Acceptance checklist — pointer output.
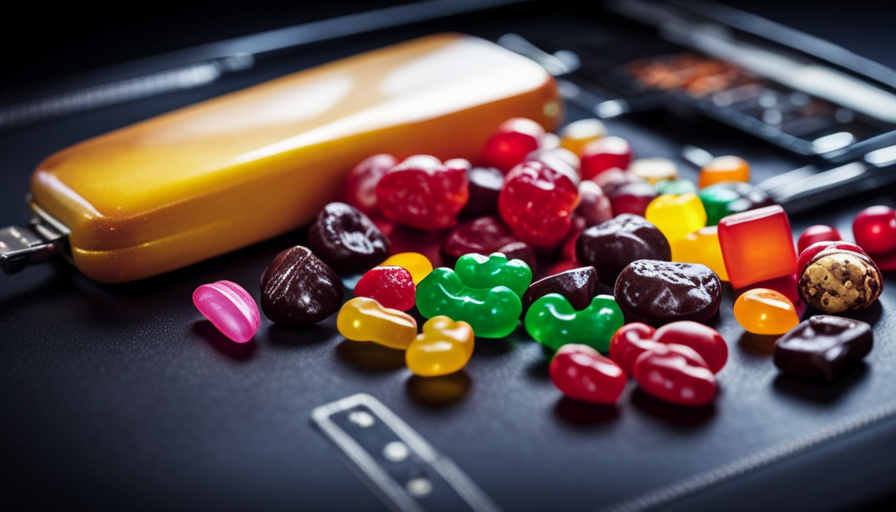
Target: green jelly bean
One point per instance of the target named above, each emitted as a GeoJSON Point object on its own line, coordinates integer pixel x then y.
{"type": "Point", "coordinates": [552, 321]}
{"type": "Point", "coordinates": [479, 271]}
{"type": "Point", "coordinates": [675, 187]}
{"type": "Point", "coordinates": [491, 312]}
{"type": "Point", "coordinates": [715, 201]}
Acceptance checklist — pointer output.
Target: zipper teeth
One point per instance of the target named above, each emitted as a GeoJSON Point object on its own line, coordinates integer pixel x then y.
{"type": "Point", "coordinates": [745, 465]}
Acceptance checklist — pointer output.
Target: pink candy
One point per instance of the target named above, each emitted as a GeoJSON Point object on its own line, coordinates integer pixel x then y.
{"type": "Point", "coordinates": [230, 308]}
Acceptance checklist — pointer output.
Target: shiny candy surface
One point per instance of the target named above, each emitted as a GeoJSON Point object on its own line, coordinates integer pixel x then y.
{"type": "Point", "coordinates": [424, 193]}
{"type": "Point", "coordinates": [716, 200]}
{"type": "Point", "coordinates": [359, 186]}
{"type": "Point", "coordinates": [817, 233]}
{"type": "Point", "coordinates": [675, 374]}
{"type": "Point", "coordinates": [511, 141]}
{"type": "Point", "coordinates": [605, 153]}
{"type": "Point", "coordinates": [765, 311]}
{"type": "Point", "coordinates": [391, 286]}
{"type": "Point", "coordinates": [675, 187]}
{"type": "Point", "coordinates": [578, 285]}
{"type": "Point", "coordinates": [346, 239]}
{"type": "Point", "coordinates": [485, 272]}
{"type": "Point", "coordinates": [658, 292]}
{"type": "Point", "coordinates": [493, 313]}
{"type": "Point", "coordinates": [417, 264]}
{"type": "Point", "coordinates": [484, 235]}
{"type": "Point", "coordinates": [676, 216]}
{"type": "Point", "coordinates": [484, 185]}
{"type": "Point", "coordinates": [837, 279]}
{"type": "Point", "coordinates": [609, 247]}
{"type": "Point", "coordinates": [364, 319]}
{"type": "Point", "coordinates": [595, 205]}
{"type": "Point", "coordinates": [705, 340]}
{"type": "Point", "coordinates": [632, 197]}
{"type": "Point", "coordinates": [536, 203]}
{"type": "Point", "coordinates": [810, 252]}
{"type": "Point", "coordinates": [230, 308]}
{"type": "Point", "coordinates": [444, 347]}
{"type": "Point", "coordinates": [582, 373]}
{"type": "Point", "coordinates": [297, 288]}
{"type": "Point", "coordinates": [757, 245]}
{"type": "Point", "coordinates": [701, 246]}
{"type": "Point", "coordinates": [654, 169]}
{"type": "Point", "coordinates": [629, 342]}
{"type": "Point", "coordinates": [724, 168]}
{"type": "Point", "coordinates": [874, 229]}
{"type": "Point", "coordinates": [575, 135]}
{"type": "Point", "coordinates": [552, 321]}
{"type": "Point", "coordinates": [823, 347]}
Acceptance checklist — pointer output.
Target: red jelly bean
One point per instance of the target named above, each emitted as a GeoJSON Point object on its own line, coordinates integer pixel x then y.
{"type": "Point", "coordinates": [705, 340]}
{"type": "Point", "coordinates": [629, 342]}
{"type": "Point", "coordinates": [484, 235]}
{"type": "Point", "coordinates": [817, 233]}
{"type": "Point", "coordinates": [581, 373]}
{"type": "Point", "coordinates": [511, 142]}
{"type": "Point", "coordinates": [595, 205]}
{"type": "Point", "coordinates": [536, 203]}
{"type": "Point", "coordinates": [392, 287]}
{"type": "Point", "coordinates": [874, 229]}
{"type": "Point", "coordinates": [359, 187]}
{"type": "Point", "coordinates": [424, 193]}
{"type": "Point", "coordinates": [605, 153]}
{"type": "Point", "coordinates": [632, 198]}
{"type": "Point", "coordinates": [675, 374]}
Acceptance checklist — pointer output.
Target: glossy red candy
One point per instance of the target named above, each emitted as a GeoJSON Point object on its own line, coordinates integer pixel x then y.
{"type": "Point", "coordinates": [359, 187]}
{"type": "Point", "coordinates": [705, 340]}
{"type": "Point", "coordinates": [536, 202]}
{"type": "Point", "coordinates": [629, 342]}
{"type": "Point", "coordinates": [632, 197]}
{"type": "Point", "coordinates": [675, 374]}
{"type": "Point", "coordinates": [581, 373]}
{"type": "Point", "coordinates": [605, 153]}
{"type": "Point", "coordinates": [874, 229]}
{"type": "Point", "coordinates": [568, 249]}
{"type": "Point", "coordinates": [594, 206]}
{"type": "Point", "coordinates": [392, 287]}
{"type": "Point", "coordinates": [424, 193]}
{"type": "Point", "coordinates": [511, 142]}
{"type": "Point", "coordinates": [817, 233]}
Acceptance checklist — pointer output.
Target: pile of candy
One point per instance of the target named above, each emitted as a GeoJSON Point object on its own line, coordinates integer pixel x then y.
{"type": "Point", "coordinates": [463, 243]}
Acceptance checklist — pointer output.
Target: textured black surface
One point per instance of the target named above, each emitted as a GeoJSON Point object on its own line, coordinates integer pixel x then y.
{"type": "Point", "coordinates": [125, 398]}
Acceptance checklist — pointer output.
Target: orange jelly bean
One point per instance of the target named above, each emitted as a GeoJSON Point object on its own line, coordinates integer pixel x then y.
{"type": "Point", "coordinates": [765, 311]}
{"type": "Point", "coordinates": [676, 216]}
{"type": "Point", "coordinates": [417, 264]}
{"type": "Point", "coordinates": [576, 134]}
{"type": "Point", "coordinates": [724, 168]}
{"type": "Point", "coordinates": [444, 347]}
{"type": "Point", "coordinates": [757, 245]}
{"type": "Point", "coordinates": [365, 319]}
{"type": "Point", "coordinates": [701, 246]}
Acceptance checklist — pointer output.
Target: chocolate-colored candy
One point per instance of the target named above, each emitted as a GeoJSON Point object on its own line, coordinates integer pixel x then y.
{"type": "Point", "coordinates": [838, 279]}
{"type": "Point", "coordinates": [346, 239]}
{"type": "Point", "coordinates": [520, 251]}
{"type": "Point", "coordinates": [485, 185]}
{"type": "Point", "coordinates": [484, 235]}
{"type": "Point", "coordinates": [611, 245]}
{"type": "Point", "coordinates": [578, 285]}
{"type": "Point", "coordinates": [822, 347]}
{"type": "Point", "coordinates": [298, 288]}
{"type": "Point", "coordinates": [658, 292]}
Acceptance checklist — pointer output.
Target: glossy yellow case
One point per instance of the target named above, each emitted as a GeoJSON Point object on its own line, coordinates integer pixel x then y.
{"type": "Point", "coordinates": [232, 171]}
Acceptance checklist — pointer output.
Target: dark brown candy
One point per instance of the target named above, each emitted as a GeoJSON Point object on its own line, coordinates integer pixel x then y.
{"type": "Point", "coordinates": [521, 251]}
{"type": "Point", "coordinates": [484, 235]}
{"type": "Point", "coordinates": [658, 292]}
{"type": "Point", "coordinates": [822, 347]}
{"type": "Point", "coordinates": [578, 285]}
{"type": "Point", "coordinates": [611, 245]}
{"type": "Point", "coordinates": [838, 279]}
{"type": "Point", "coordinates": [298, 288]}
{"type": "Point", "coordinates": [346, 239]}
{"type": "Point", "coordinates": [484, 184]}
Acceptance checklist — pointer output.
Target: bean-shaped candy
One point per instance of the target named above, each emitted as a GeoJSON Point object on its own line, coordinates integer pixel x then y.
{"type": "Point", "coordinates": [552, 321]}
{"type": "Point", "coordinates": [581, 373]}
{"type": "Point", "coordinates": [492, 312]}
{"type": "Point", "coordinates": [675, 374]}
{"type": "Point", "coordinates": [444, 347]}
{"type": "Point", "coordinates": [365, 319]}
{"type": "Point", "coordinates": [230, 308]}
{"type": "Point", "coordinates": [480, 271]}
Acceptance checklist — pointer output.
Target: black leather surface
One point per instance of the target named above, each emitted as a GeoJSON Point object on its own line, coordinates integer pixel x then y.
{"type": "Point", "coordinates": [125, 398]}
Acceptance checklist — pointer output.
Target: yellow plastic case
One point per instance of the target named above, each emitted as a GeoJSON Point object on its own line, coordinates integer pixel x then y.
{"type": "Point", "coordinates": [232, 171]}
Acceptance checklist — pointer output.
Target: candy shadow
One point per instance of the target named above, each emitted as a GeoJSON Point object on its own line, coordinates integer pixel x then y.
{"type": "Point", "coordinates": [500, 346]}
{"type": "Point", "coordinates": [758, 344]}
{"type": "Point", "coordinates": [438, 392]}
{"type": "Point", "coordinates": [540, 368]}
{"type": "Point", "coordinates": [677, 415]}
{"type": "Point", "coordinates": [820, 392]}
{"type": "Point", "coordinates": [211, 335]}
{"type": "Point", "coordinates": [370, 357]}
{"type": "Point", "coordinates": [869, 315]}
{"type": "Point", "coordinates": [583, 415]}
{"type": "Point", "coordinates": [295, 336]}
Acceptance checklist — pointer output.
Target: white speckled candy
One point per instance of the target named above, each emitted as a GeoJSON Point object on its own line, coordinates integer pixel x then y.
{"type": "Point", "coordinates": [230, 308]}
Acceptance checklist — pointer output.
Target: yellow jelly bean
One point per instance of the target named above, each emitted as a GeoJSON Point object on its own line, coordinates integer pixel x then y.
{"type": "Point", "coordinates": [444, 347]}
{"type": "Point", "coordinates": [676, 215]}
{"type": "Point", "coordinates": [701, 246]}
{"type": "Point", "coordinates": [765, 311]}
{"type": "Point", "coordinates": [415, 263]}
{"type": "Point", "coordinates": [364, 319]}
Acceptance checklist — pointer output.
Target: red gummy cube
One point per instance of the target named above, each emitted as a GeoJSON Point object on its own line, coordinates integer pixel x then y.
{"type": "Point", "coordinates": [757, 245]}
